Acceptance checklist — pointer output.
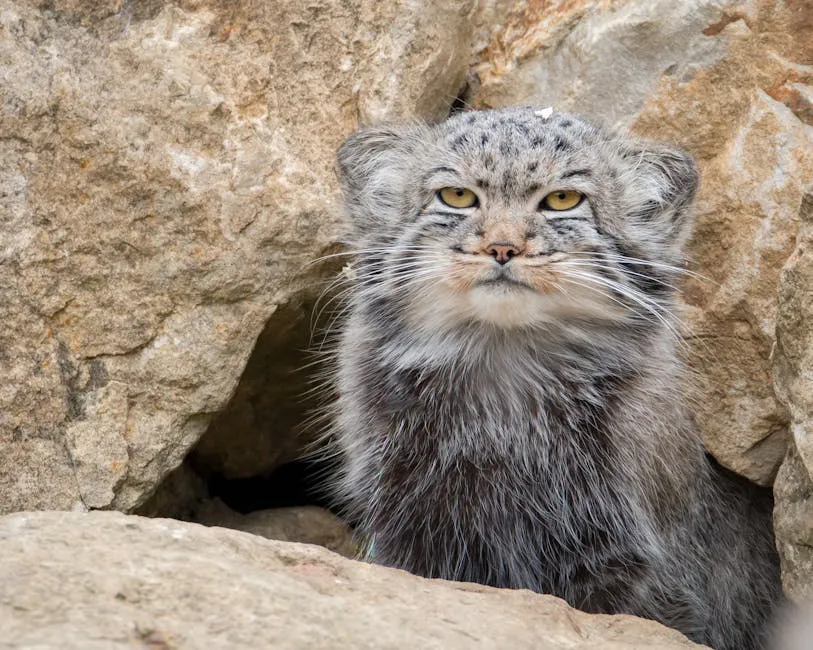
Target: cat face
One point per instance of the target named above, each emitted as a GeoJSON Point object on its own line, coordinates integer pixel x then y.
{"type": "Point", "coordinates": [515, 218]}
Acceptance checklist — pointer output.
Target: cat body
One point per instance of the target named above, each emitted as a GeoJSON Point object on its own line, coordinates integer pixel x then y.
{"type": "Point", "coordinates": [509, 403]}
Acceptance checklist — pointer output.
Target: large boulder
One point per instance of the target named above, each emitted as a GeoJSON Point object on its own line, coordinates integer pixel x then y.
{"type": "Point", "coordinates": [166, 182]}
{"type": "Point", "coordinates": [101, 581]}
{"type": "Point", "coordinates": [793, 367]}
{"type": "Point", "coordinates": [166, 179]}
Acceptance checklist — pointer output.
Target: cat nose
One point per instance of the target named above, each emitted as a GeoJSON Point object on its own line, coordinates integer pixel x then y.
{"type": "Point", "coordinates": [503, 251]}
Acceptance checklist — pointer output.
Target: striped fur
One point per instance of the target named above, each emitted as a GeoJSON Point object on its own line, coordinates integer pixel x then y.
{"type": "Point", "coordinates": [521, 424]}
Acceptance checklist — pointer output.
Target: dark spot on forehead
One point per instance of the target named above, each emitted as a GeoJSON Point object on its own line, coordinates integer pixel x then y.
{"type": "Point", "coordinates": [518, 126]}
{"type": "Point", "coordinates": [560, 144]}
{"type": "Point", "coordinates": [566, 124]}
{"type": "Point", "coordinates": [471, 119]}
{"type": "Point", "coordinates": [507, 182]}
{"type": "Point", "coordinates": [484, 138]}
{"type": "Point", "coordinates": [537, 142]}
{"type": "Point", "coordinates": [488, 162]}
{"type": "Point", "coordinates": [505, 148]}
{"type": "Point", "coordinates": [460, 141]}
{"type": "Point", "coordinates": [531, 188]}
{"type": "Point", "coordinates": [482, 182]}
{"type": "Point", "coordinates": [532, 167]}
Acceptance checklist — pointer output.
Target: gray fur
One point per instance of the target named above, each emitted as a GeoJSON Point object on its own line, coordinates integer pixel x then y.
{"type": "Point", "coordinates": [535, 436]}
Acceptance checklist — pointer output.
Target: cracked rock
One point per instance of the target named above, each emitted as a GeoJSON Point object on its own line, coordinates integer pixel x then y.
{"type": "Point", "coordinates": [69, 582]}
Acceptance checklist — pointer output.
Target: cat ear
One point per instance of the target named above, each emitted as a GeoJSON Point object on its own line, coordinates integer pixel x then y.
{"type": "Point", "coordinates": [373, 170]}
{"type": "Point", "coordinates": [660, 185]}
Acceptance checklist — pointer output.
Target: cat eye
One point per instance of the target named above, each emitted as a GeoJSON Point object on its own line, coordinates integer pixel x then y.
{"type": "Point", "coordinates": [457, 197]}
{"type": "Point", "coordinates": [561, 200]}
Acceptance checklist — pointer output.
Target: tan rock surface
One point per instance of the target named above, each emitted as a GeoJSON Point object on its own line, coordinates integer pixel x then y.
{"type": "Point", "coordinates": [167, 175]}
{"type": "Point", "coordinates": [107, 580]}
{"type": "Point", "coordinates": [262, 428]}
{"type": "Point", "coordinates": [166, 178]}
{"type": "Point", "coordinates": [731, 82]}
{"type": "Point", "coordinates": [793, 366]}
{"type": "Point", "coordinates": [303, 524]}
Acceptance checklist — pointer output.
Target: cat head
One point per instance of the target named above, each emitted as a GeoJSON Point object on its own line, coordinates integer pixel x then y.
{"type": "Point", "coordinates": [516, 217]}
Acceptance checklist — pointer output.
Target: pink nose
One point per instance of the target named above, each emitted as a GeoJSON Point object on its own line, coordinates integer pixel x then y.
{"type": "Point", "coordinates": [503, 251]}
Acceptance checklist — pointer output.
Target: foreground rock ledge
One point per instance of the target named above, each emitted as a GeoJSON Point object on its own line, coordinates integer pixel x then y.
{"type": "Point", "coordinates": [107, 580]}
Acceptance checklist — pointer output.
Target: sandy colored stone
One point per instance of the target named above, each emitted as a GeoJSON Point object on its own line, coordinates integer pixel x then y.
{"type": "Point", "coordinates": [599, 59]}
{"type": "Point", "coordinates": [731, 82]}
{"type": "Point", "coordinates": [793, 524]}
{"type": "Point", "coordinates": [262, 428]}
{"type": "Point", "coordinates": [304, 524]}
{"type": "Point", "coordinates": [105, 580]}
{"type": "Point", "coordinates": [793, 367]}
{"type": "Point", "coordinates": [98, 446]}
{"type": "Point", "coordinates": [167, 177]}
{"type": "Point", "coordinates": [796, 628]}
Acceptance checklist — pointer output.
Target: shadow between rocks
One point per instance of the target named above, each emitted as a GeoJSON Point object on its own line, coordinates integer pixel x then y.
{"type": "Point", "coordinates": [255, 454]}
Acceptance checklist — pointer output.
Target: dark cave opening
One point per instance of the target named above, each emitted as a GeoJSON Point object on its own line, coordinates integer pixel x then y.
{"type": "Point", "coordinates": [460, 102]}
{"type": "Point", "coordinates": [298, 483]}
{"type": "Point", "coordinates": [261, 451]}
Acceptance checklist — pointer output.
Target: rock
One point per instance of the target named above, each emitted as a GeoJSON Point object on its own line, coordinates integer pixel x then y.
{"type": "Point", "coordinates": [793, 361]}
{"type": "Point", "coordinates": [177, 496]}
{"type": "Point", "coordinates": [167, 179]}
{"type": "Point", "coordinates": [304, 524]}
{"type": "Point", "coordinates": [793, 525]}
{"type": "Point", "coordinates": [105, 580]}
{"type": "Point", "coordinates": [253, 434]}
{"type": "Point", "coordinates": [731, 82]}
{"type": "Point", "coordinates": [796, 628]}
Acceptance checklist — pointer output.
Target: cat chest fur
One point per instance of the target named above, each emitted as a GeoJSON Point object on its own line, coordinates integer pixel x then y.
{"type": "Point", "coordinates": [524, 463]}
{"type": "Point", "coordinates": [510, 405]}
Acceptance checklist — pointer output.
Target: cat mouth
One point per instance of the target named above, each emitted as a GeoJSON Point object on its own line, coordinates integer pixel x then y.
{"type": "Point", "coordinates": [503, 281]}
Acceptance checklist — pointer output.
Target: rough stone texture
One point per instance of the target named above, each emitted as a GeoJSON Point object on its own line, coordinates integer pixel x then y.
{"type": "Point", "coordinates": [105, 580]}
{"type": "Point", "coordinates": [262, 426]}
{"type": "Point", "coordinates": [793, 366]}
{"type": "Point", "coordinates": [166, 180]}
{"type": "Point", "coordinates": [304, 524]}
{"type": "Point", "coordinates": [731, 82]}
{"type": "Point", "coordinates": [166, 176]}
{"type": "Point", "coordinates": [796, 629]}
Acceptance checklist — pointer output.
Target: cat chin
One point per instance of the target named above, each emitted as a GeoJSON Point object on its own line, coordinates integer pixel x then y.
{"type": "Point", "coordinates": [500, 306]}
{"type": "Point", "coordinates": [441, 308]}
{"type": "Point", "coordinates": [508, 306]}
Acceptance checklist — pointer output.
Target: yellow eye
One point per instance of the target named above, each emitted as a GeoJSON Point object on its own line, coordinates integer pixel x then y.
{"type": "Point", "coordinates": [457, 197]}
{"type": "Point", "coordinates": [562, 200]}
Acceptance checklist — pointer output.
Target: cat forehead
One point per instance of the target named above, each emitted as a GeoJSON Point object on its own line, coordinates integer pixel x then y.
{"type": "Point", "coordinates": [520, 127]}
{"type": "Point", "coordinates": [505, 137]}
